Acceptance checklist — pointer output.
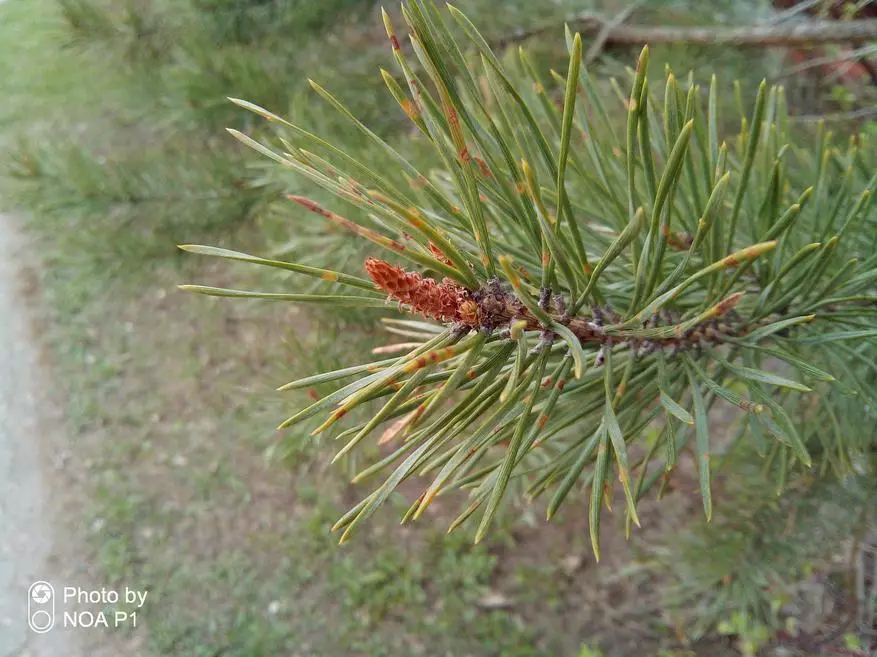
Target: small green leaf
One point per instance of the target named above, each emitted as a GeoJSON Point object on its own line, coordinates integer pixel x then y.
{"type": "Point", "coordinates": [324, 274]}
{"type": "Point", "coordinates": [569, 103]}
{"type": "Point", "coordinates": [712, 120]}
{"type": "Point", "coordinates": [789, 216]}
{"type": "Point", "coordinates": [671, 173]}
{"type": "Point", "coordinates": [575, 471]}
{"type": "Point", "coordinates": [790, 265]}
{"type": "Point", "coordinates": [838, 336]}
{"type": "Point", "coordinates": [402, 395]}
{"type": "Point", "coordinates": [327, 299]}
{"type": "Point", "coordinates": [675, 409]}
{"type": "Point", "coordinates": [575, 348]}
{"type": "Point", "coordinates": [758, 439]}
{"type": "Point", "coordinates": [723, 392]}
{"type": "Point", "coordinates": [596, 502]}
{"type": "Point", "coordinates": [805, 367]}
{"type": "Point", "coordinates": [508, 464]}
{"type": "Point", "coordinates": [749, 158]}
{"type": "Point", "coordinates": [618, 245]}
{"type": "Point", "coordinates": [781, 426]}
{"type": "Point", "coordinates": [326, 377]}
{"type": "Point", "coordinates": [774, 327]}
{"type": "Point", "coordinates": [702, 447]}
{"type": "Point", "coordinates": [765, 377]}
{"type": "Point", "coordinates": [617, 438]}
{"type": "Point", "coordinates": [633, 115]}
{"type": "Point", "coordinates": [733, 260]}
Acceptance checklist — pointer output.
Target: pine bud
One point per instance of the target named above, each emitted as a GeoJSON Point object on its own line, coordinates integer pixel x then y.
{"type": "Point", "coordinates": [446, 301]}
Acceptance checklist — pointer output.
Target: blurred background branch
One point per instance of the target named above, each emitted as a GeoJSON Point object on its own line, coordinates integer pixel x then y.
{"type": "Point", "coordinates": [781, 35]}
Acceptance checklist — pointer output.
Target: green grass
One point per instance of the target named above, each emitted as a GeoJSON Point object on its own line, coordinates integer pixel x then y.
{"type": "Point", "coordinates": [32, 34]}
{"type": "Point", "coordinates": [304, 591]}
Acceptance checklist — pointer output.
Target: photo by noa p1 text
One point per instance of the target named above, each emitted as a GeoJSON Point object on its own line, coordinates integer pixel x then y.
{"type": "Point", "coordinates": [79, 607]}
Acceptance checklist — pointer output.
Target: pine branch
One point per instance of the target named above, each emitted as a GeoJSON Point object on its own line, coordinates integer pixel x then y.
{"type": "Point", "coordinates": [494, 306]}
{"type": "Point", "coordinates": [584, 285]}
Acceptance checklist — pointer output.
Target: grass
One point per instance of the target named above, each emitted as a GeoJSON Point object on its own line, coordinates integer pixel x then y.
{"type": "Point", "coordinates": [114, 167]}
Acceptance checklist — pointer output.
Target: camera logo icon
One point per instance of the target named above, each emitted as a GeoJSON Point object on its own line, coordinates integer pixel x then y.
{"type": "Point", "coordinates": [41, 607]}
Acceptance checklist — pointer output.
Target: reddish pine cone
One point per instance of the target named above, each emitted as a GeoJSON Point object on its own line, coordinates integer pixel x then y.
{"type": "Point", "coordinates": [441, 301]}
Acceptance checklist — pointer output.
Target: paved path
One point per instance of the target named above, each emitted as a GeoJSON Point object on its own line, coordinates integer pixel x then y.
{"type": "Point", "coordinates": [29, 433]}
{"type": "Point", "coordinates": [28, 428]}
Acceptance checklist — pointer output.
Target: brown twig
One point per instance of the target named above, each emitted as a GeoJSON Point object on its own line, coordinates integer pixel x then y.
{"type": "Point", "coordinates": [493, 307]}
{"type": "Point", "coordinates": [816, 62]}
{"type": "Point", "coordinates": [796, 34]}
{"type": "Point", "coordinates": [596, 46]}
{"type": "Point", "coordinates": [853, 115]}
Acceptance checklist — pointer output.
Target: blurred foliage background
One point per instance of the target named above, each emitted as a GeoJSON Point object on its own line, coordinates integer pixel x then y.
{"type": "Point", "coordinates": [113, 144]}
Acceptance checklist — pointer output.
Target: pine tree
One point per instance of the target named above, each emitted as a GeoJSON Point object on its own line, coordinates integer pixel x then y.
{"type": "Point", "coordinates": [587, 280]}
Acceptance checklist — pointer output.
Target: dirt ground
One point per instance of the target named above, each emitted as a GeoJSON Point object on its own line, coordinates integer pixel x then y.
{"type": "Point", "coordinates": [39, 539]}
